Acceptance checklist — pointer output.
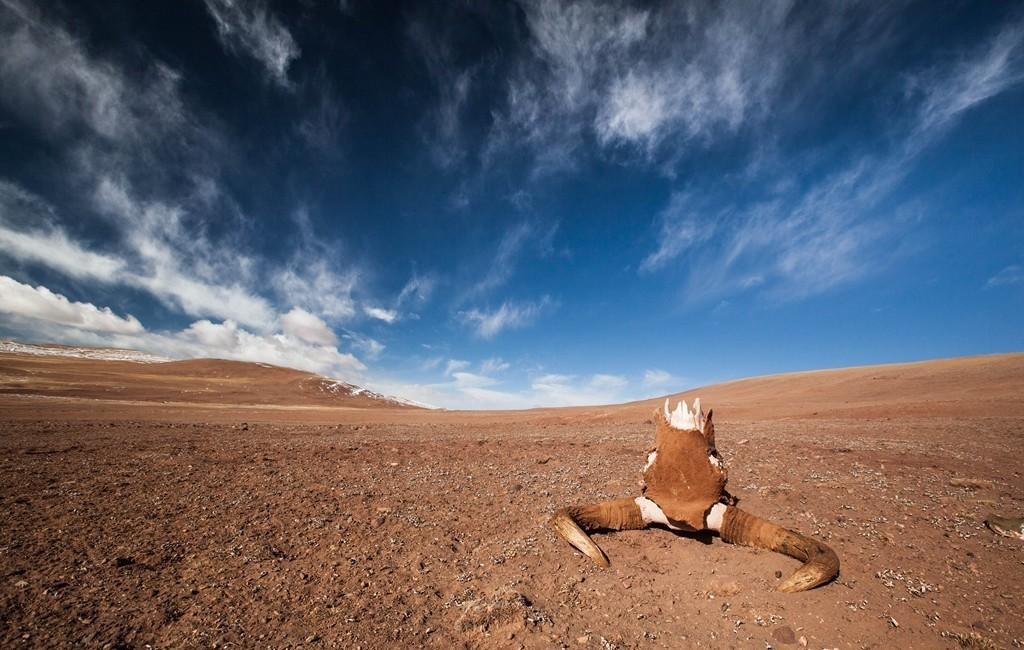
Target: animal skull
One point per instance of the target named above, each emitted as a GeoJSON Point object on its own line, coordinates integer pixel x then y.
{"type": "Point", "coordinates": [684, 489]}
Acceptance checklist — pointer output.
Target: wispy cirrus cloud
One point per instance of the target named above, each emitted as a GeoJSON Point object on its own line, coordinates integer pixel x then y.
{"type": "Point", "coordinates": [249, 26]}
{"type": "Point", "coordinates": [516, 242]}
{"type": "Point", "coordinates": [455, 365]}
{"type": "Point", "coordinates": [949, 90]}
{"type": "Point", "coordinates": [493, 366]}
{"type": "Point", "coordinates": [50, 80]}
{"type": "Point", "coordinates": [443, 128]}
{"type": "Point", "coordinates": [324, 116]}
{"type": "Point", "coordinates": [655, 82]}
{"type": "Point", "coordinates": [657, 378]}
{"type": "Point", "coordinates": [810, 236]}
{"type": "Point", "coordinates": [510, 315]}
{"type": "Point", "coordinates": [312, 277]}
{"type": "Point", "coordinates": [682, 226]}
{"type": "Point", "coordinates": [1008, 275]}
{"type": "Point", "coordinates": [502, 264]}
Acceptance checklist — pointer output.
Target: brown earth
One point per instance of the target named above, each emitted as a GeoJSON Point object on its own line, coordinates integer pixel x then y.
{"type": "Point", "coordinates": [126, 521]}
{"type": "Point", "coordinates": [195, 381]}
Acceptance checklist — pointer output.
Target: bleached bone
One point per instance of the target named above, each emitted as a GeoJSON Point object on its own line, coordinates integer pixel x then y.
{"type": "Point", "coordinates": [683, 419]}
{"type": "Point", "coordinates": [689, 480]}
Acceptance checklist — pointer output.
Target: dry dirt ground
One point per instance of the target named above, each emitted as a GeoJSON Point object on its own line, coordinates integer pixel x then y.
{"type": "Point", "coordinates": [127, 523]}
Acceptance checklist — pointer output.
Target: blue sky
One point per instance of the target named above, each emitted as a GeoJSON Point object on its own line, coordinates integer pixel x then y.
{"type": "Point", "coordinates": [520, 204]}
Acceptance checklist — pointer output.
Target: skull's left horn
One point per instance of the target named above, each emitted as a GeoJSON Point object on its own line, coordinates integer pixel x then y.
{"type": "Point", "coordinates": [571, 524]}
{"type": "Point", "coordinates": [821, 564]}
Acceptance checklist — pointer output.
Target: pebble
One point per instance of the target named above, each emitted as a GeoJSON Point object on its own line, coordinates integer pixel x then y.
{"type": "Point", "coordinates": [784, 634]}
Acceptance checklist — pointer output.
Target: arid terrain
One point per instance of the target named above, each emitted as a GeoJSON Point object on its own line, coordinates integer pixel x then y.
{"type": "Point", "coordinates": [220, 504]}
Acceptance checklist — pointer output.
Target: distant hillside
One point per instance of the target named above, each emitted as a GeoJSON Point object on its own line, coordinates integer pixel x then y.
{"type": "Point", "coordinates": [990, 385]}
{"type": "Point", "coordinates": [127, 375]}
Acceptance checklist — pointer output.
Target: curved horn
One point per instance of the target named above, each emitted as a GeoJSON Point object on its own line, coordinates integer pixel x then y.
{"type": "Point", "coordinates": [571, 524]}
{"type": "Point", "coordinates": [821, 564]}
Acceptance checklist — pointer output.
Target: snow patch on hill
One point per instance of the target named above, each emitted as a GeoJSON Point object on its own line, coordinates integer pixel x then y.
{"type": "Point", "coordinates": [103, 354]}
{"type": "Point", "coordinates": [338, 387]}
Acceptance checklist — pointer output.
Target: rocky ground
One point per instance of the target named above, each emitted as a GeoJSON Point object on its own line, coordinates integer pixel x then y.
{"type": "Point", "coordinates": [134, 527]}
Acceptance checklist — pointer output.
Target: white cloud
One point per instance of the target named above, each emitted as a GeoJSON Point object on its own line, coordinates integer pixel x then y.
{"type": "Point", "coordinates": [465, 380]}
{"type": "Point", "coordinates": [608, 382]}
{"type": "Point", "coordinates": [44, 242]}
{"type": "Point", "coordinates": [179, 265]}
{"type": "Point", "coordinates": [489, 324]}
{"type": "Point", "coordinates": [312, 279]}
{"type": "Point", "coordinates": [217, 336]}
{"type": "Point", "coordinates": [22, 300]}
{"type": "Point", "coordinates": [1012, 274]}
{"type": "Point", "coordinates": [300, 323]}
{"type": "Point", "coordinates": [636, 109]}
{"type": "Point", "coordinates": [493, 366]}
{"type": "Point", "coordinates": [133, 123]}
{"type": "Point", "coordinates": [227, 340]}
{"type": "Point", "coordinates": [154, 167]}
{"type": "Point", "coordinates": [467, 390]}
{"type": "Point", "coordinates": [431, 364]}
{"type": "Point", "coordinates": [314, 284]}
{"type": "Point", "coordinates": [653, 377]}
{"type": "Point", "coordinates": [379, 313]}
{"type": "Point", "coordinates": [37, 313]}
{"type": "Point", "coordinates": [455, 365]}
{"type": "Point", "coordinates": [568, 390]}
{"type": "Point", "coordinates": [371, 348]}
{"type": "Point", "coordinates": [248, 25]}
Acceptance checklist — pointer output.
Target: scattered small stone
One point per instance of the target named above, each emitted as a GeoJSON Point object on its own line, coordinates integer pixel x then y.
{"type": "Point", "coordinates": [971, 483]}
{"type": "Point", "coordinates": [784, 634]}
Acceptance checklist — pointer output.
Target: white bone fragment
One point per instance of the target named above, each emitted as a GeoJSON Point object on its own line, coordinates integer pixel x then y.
{"type": "Point", "coordinates": [682, 418]}
{"type": "Point", "coordinates": [715, 517]}
{"type": "Point", "coordinates": [651, 513]}
{"type": "Point", "coordinates": [650, 460]}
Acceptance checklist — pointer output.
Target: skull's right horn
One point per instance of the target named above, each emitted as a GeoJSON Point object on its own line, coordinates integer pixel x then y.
{"type": "Point", "coordinates": [821, 564]}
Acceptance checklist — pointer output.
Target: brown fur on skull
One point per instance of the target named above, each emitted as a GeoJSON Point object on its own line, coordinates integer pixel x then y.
{"type": "Point", "coordinates": [684, 489]}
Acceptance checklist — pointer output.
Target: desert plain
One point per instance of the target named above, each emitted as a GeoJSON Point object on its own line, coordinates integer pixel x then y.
{"type": "Point", "coordinates": [216, 504]}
